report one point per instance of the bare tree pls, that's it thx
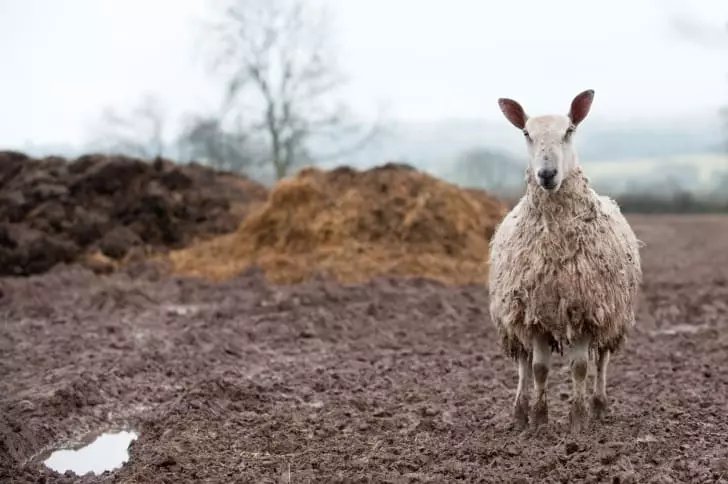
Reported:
(139, 133)
(203, 138)
(276, 59)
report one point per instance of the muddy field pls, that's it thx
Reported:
(394, 380)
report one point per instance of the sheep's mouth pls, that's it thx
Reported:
(549, 186)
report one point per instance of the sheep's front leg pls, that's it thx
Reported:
(579, 366)
(520, 407)
(599, 400)
(541, 366)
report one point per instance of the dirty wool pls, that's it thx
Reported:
(564, 263)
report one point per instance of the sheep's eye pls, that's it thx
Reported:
(569, 132)
(528, 136)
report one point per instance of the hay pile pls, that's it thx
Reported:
(99, 209)
(351, 225)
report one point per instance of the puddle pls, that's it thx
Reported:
(107, 452)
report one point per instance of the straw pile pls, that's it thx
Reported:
(352, 225)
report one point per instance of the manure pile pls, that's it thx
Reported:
(100, 208)
(352, 225)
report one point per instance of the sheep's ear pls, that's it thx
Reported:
(513, 112)
(580, 106)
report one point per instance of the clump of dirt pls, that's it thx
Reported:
(104, 208)
(352, 225)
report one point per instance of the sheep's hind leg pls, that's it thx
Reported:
(520, 407)
(599, 399)
(579, 366)
(541, 366)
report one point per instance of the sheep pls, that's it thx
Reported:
(564, 269)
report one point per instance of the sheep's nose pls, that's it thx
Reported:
(547, 174)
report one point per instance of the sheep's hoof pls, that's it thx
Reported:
(520, 414)
(540, 414)
(578, 416)
(599, 407)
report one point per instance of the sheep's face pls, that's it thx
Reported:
(549, 141)
(549, 138)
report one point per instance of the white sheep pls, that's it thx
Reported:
(564, 268)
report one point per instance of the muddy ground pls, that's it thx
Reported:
(390, 381)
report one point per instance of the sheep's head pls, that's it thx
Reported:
(549, 138)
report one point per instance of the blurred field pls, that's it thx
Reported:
(705, 165)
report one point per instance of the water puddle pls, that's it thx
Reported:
(107, 452)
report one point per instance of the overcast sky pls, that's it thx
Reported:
(64, 60)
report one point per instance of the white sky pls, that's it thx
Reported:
(64, 60)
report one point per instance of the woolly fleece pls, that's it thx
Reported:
(563, 264)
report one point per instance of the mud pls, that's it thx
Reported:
(392, 380)
(55, 211)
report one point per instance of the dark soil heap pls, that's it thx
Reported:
(352, 225)
(53, 210)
